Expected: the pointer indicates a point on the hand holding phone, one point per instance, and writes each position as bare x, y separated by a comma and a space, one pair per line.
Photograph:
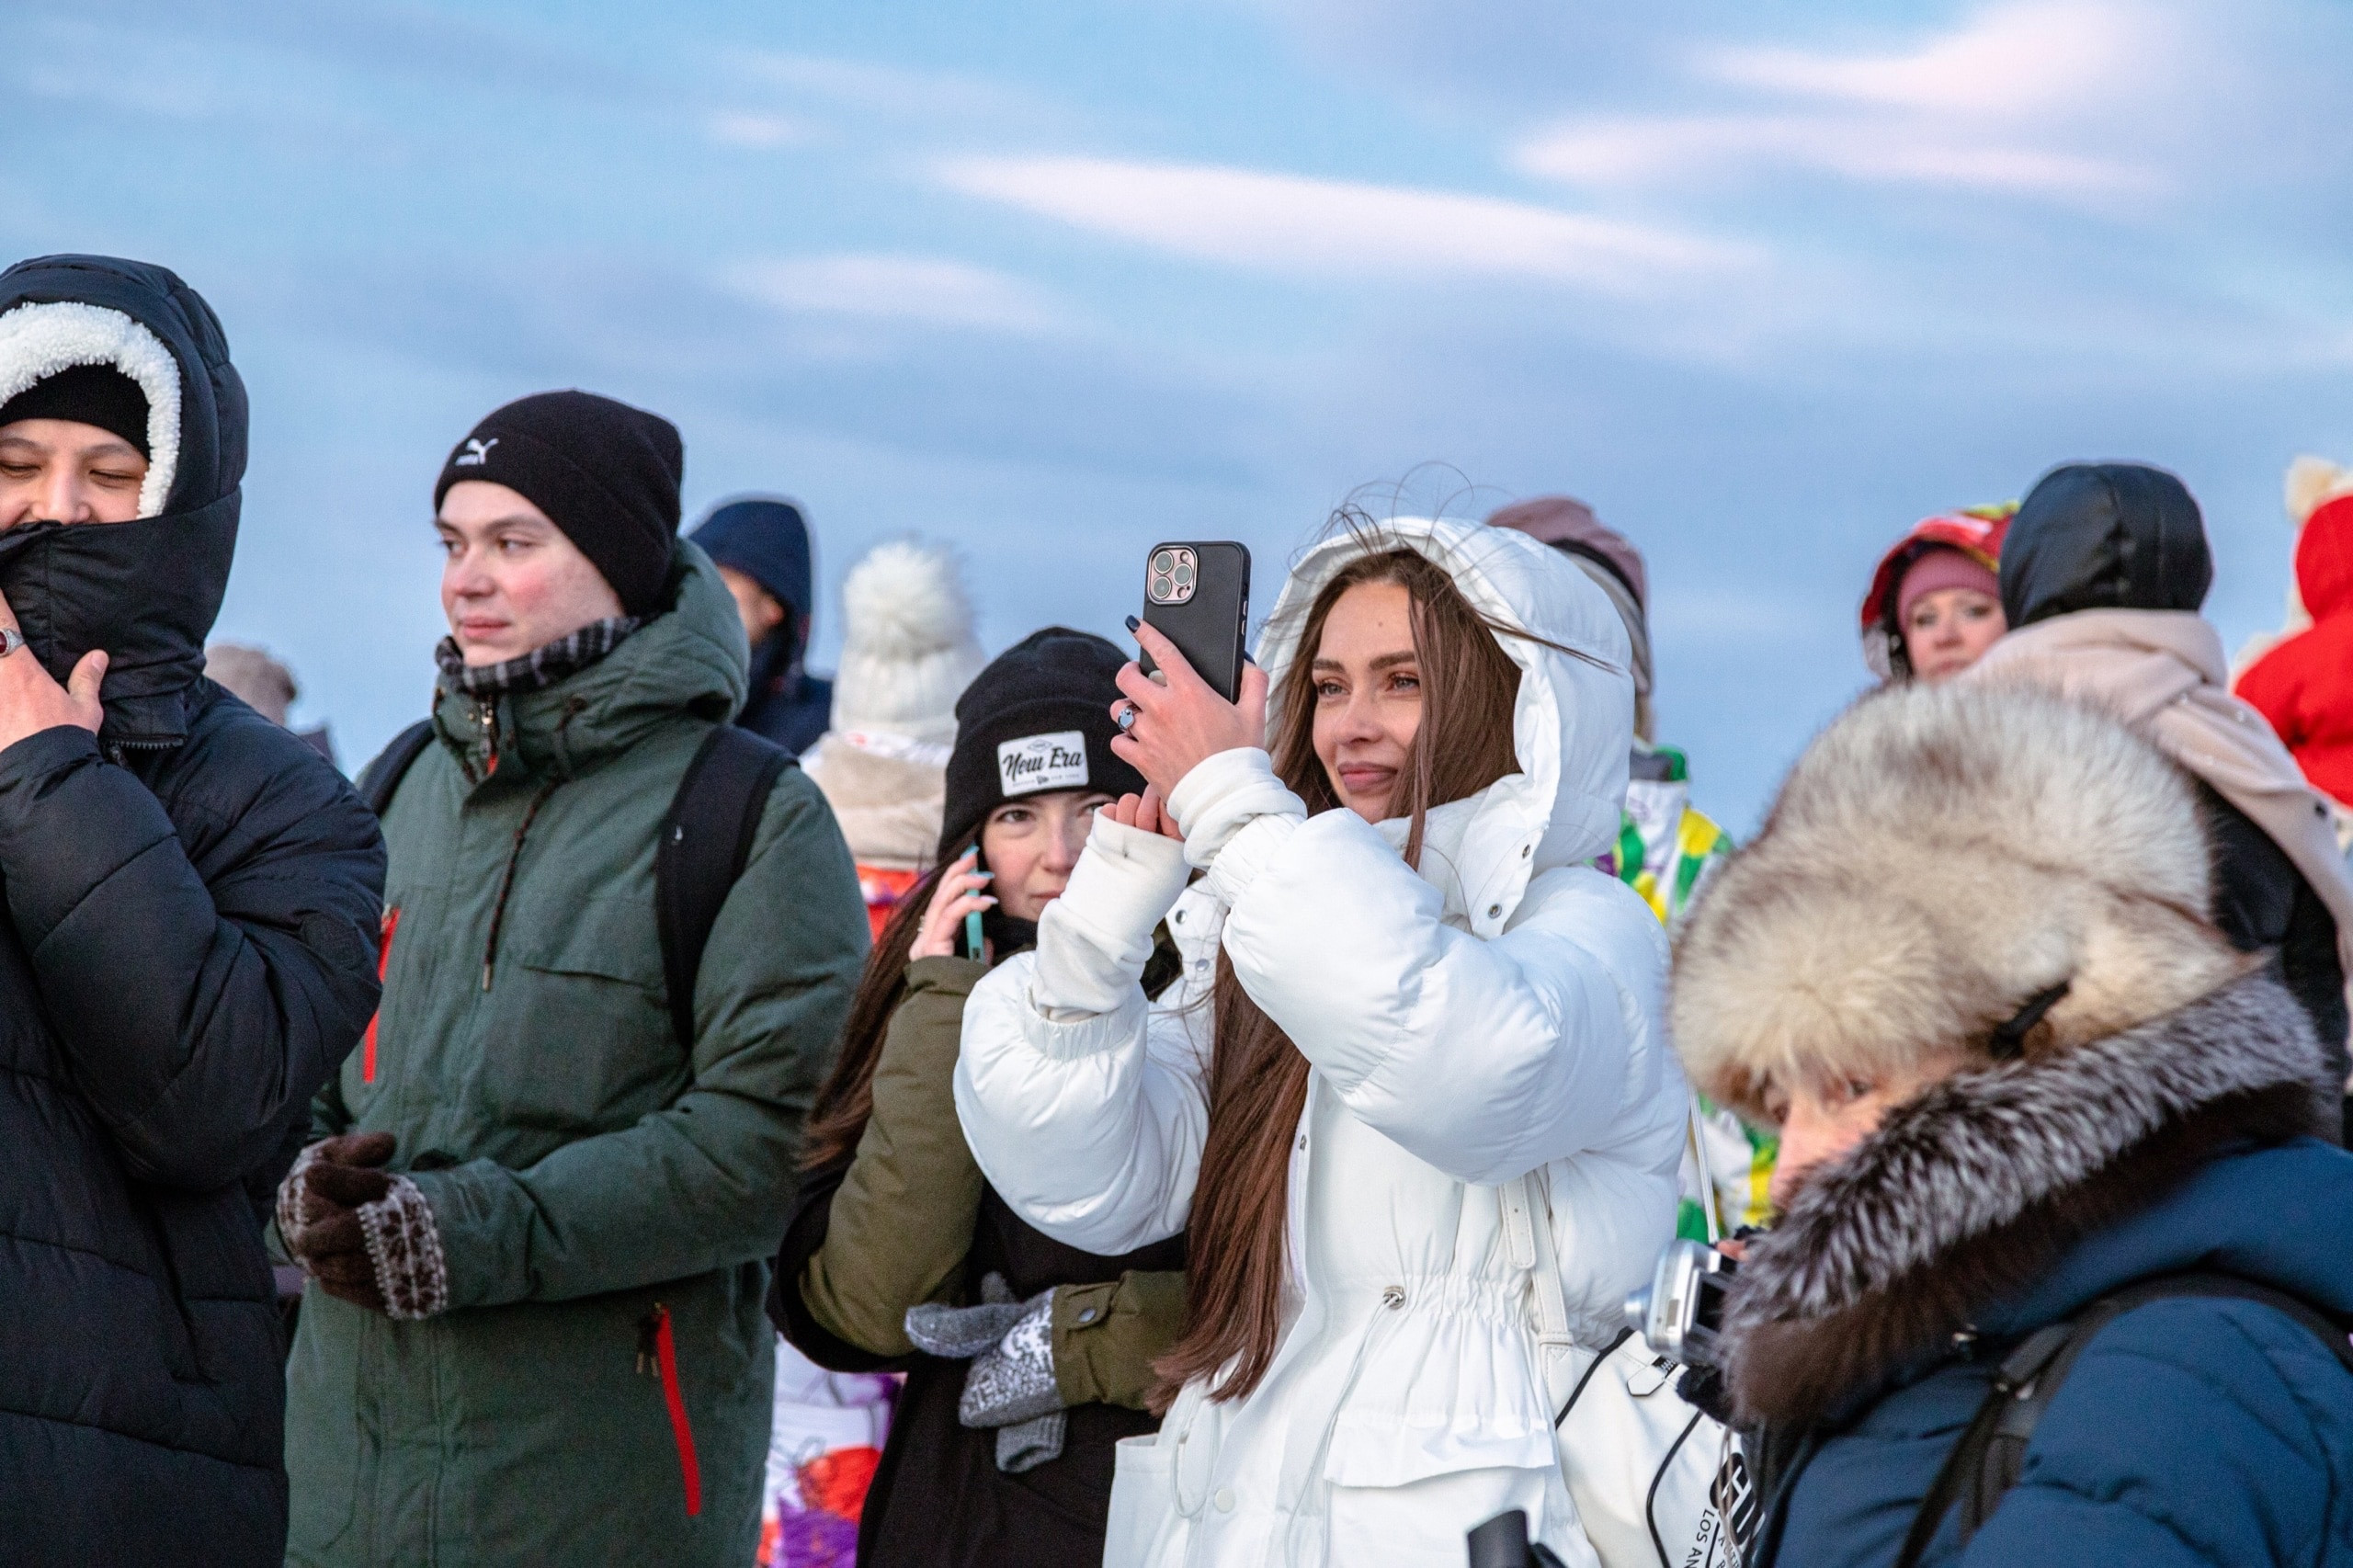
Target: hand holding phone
1197, 595
1171, 729
956, 907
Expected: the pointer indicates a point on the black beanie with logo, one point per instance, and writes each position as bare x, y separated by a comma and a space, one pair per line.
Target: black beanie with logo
1037, 720
604, 474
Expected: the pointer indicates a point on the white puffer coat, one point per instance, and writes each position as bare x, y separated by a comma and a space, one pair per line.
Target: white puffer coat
1498, 1011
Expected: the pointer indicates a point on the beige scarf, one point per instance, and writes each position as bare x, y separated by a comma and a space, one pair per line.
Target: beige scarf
2162, 672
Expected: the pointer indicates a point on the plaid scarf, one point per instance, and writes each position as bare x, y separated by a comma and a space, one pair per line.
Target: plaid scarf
543, 666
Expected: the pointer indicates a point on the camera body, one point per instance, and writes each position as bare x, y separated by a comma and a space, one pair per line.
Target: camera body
1678, 1312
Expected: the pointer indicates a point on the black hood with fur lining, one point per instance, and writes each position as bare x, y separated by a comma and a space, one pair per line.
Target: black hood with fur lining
147, 591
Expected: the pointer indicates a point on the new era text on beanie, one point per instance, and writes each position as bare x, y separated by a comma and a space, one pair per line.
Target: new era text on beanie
1038, 718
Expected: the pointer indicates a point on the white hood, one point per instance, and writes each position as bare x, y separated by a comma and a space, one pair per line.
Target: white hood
1573, 727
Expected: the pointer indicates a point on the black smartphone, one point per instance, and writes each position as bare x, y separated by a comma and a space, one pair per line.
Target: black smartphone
1197, 593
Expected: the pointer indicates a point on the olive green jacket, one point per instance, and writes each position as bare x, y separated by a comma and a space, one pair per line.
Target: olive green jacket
605, 1201
903, 1219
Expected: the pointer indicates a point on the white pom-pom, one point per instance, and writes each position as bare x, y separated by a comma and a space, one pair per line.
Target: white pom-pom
2312, 480
907, 643
904, 599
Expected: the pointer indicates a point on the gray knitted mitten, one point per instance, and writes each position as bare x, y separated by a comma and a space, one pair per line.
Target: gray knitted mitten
1011, 1386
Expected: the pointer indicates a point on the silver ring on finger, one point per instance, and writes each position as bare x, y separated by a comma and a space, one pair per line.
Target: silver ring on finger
1126, 719
10, 641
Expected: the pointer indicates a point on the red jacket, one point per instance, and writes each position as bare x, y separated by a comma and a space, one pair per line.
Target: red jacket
2305, 685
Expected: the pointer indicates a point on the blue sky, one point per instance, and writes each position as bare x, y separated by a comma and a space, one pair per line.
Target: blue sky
1053, 282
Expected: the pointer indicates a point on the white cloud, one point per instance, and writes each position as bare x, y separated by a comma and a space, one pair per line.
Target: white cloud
1637, 152
928, 289
756, 131
892, 91
2023, 97
2010, 58
1320, 228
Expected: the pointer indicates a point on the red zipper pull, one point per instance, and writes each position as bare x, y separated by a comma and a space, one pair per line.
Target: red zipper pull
390, 924
654, 1341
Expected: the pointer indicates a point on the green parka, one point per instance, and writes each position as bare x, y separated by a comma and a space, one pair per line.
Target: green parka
599, 1389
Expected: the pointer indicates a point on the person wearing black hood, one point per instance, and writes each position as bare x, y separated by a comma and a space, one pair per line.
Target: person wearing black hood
1025, 1359
761, 545
193, 896
2103, 573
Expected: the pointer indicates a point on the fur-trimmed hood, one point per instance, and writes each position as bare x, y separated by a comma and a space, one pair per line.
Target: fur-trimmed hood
2009, 874
60, 311
1970, 1193
146, 591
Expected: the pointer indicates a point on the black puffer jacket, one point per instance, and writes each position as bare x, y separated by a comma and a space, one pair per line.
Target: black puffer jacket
2125, 536
189, 950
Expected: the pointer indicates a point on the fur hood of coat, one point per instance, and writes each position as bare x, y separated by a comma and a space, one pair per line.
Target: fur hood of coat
2020, 877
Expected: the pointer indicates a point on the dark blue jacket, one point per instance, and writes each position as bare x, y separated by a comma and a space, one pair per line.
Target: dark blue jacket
786, 704
187, 950
767, 538
2191, 1431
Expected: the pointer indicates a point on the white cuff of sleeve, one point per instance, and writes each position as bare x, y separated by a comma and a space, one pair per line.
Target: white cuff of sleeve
1235, 814
1222, 794
1094, 940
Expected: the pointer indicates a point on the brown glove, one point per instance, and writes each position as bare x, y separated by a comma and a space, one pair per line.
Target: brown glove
366, 1235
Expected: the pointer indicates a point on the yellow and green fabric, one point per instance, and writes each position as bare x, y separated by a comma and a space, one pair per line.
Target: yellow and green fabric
1667, 850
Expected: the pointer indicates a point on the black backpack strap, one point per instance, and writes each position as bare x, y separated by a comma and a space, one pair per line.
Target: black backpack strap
379, 781
1991, 1455
706, 840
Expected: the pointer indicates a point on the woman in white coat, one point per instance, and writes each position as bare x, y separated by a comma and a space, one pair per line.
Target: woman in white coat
1405, 989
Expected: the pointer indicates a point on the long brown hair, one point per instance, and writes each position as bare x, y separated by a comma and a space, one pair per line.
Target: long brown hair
1234, 1242
838, 1119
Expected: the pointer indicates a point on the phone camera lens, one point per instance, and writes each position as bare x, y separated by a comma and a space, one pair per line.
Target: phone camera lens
1161, 589
1164, 562
1184, 573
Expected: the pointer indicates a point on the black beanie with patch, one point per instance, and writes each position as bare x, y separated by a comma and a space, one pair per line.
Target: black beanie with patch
1037, 720
604, 474
98, 395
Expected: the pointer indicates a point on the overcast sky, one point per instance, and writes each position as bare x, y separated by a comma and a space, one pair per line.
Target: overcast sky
1763, 284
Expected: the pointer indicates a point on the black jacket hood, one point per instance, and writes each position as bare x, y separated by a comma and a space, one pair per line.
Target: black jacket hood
148, 591
2105, 536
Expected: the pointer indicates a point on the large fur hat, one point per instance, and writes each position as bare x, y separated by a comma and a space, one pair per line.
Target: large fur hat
1941, 860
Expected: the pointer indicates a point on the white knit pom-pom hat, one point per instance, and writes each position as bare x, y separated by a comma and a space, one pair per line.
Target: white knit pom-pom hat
908, 648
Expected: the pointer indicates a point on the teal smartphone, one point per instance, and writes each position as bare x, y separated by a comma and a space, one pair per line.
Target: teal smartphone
973, 949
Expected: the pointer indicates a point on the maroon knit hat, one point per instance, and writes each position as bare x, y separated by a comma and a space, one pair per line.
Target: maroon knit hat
1569, 523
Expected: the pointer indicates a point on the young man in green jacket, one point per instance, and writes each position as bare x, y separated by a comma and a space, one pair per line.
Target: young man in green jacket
536, 1224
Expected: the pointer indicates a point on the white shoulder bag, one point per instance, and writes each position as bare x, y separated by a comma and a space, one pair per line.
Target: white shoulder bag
1657, 1484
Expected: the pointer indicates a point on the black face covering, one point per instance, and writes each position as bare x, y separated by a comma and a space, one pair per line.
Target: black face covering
1008, 936
147, 591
